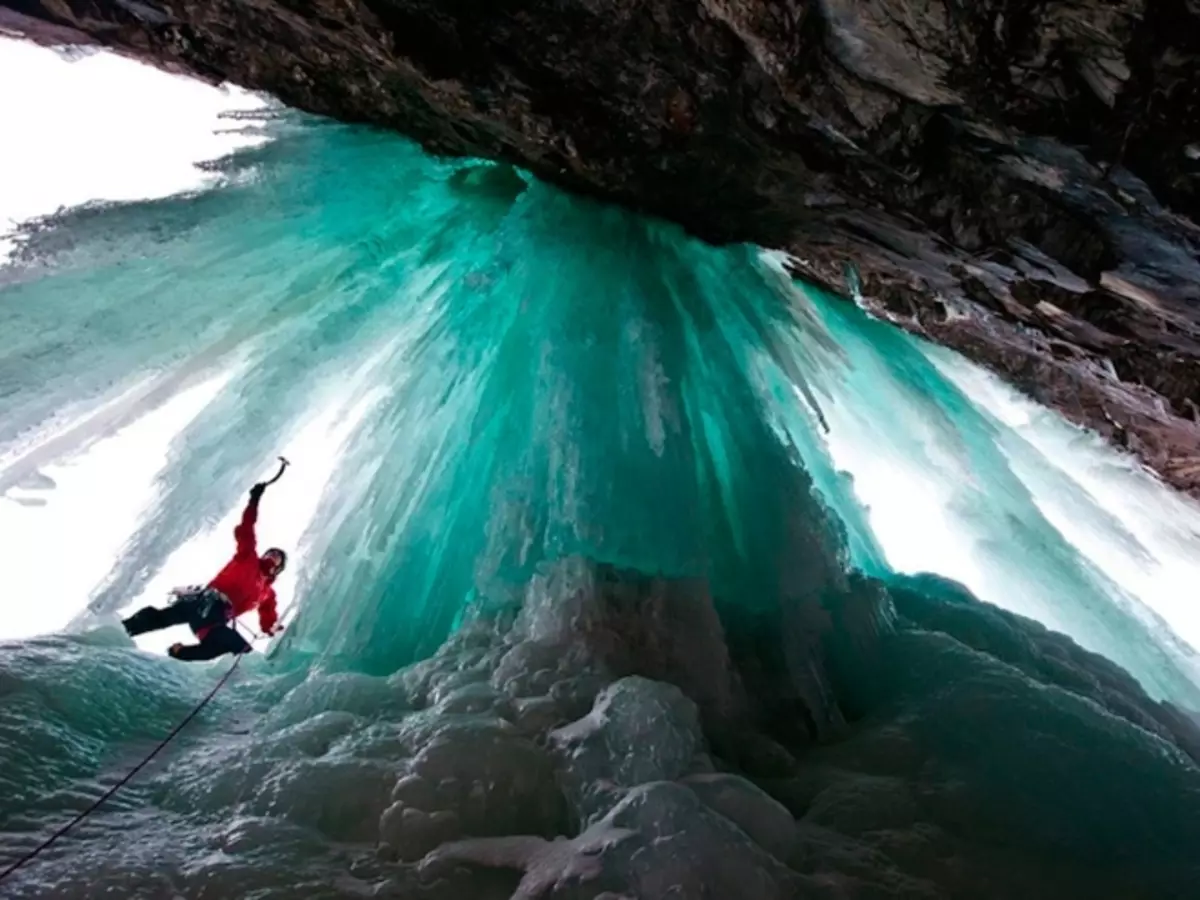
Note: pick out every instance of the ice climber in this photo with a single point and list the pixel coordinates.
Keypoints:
(244, 584)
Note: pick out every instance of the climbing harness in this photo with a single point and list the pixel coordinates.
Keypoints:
(46, 844)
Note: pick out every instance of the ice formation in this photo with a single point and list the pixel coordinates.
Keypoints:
(587, 608)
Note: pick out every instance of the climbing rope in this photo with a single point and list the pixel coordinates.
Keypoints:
(46, 844)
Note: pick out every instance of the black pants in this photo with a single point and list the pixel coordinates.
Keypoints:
(205, 608)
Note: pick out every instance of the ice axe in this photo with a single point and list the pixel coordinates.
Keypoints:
(283, 464)
(258, 489)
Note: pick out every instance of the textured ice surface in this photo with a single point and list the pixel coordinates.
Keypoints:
(985, 756)
(587, 609)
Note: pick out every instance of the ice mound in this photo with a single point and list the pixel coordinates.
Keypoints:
(977, 754)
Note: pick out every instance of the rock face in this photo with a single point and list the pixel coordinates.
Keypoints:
(1015, 180)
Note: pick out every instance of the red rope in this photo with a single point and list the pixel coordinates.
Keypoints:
(124, 781)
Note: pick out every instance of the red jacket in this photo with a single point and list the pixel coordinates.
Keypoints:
(242, 579)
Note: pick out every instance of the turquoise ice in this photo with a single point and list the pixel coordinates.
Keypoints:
(554, 396)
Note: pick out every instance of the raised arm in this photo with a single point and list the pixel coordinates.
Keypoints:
(247, 541)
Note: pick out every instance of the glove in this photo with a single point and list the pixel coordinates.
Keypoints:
(256, 492)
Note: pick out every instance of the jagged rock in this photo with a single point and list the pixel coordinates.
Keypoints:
(639, 731)
(1012, 180)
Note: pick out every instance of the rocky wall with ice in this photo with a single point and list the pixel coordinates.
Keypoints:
(1018, 181)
